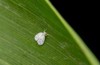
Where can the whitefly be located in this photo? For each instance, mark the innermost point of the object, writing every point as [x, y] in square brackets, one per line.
[40, 37]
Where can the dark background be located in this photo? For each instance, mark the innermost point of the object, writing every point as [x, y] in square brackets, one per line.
[84, 18]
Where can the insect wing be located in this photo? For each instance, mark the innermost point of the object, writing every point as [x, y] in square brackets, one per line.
[41, 40]
[38, 35]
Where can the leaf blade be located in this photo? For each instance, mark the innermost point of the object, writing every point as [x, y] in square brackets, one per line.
[20, 21]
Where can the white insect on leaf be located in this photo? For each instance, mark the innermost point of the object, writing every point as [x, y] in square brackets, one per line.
[40, 37]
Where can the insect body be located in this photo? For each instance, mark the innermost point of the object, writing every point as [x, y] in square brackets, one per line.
[40, 37]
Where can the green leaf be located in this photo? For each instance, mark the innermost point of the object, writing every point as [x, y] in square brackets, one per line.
[21, 20]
